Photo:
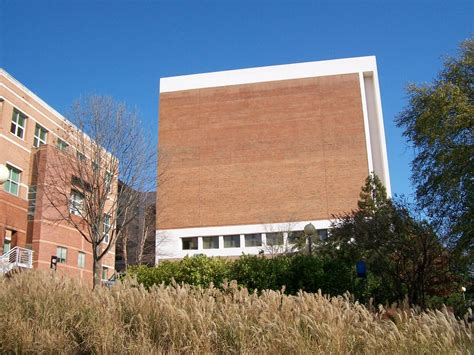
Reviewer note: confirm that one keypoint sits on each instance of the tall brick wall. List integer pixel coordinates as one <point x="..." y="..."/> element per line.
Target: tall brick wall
<point x="261" y="153"/>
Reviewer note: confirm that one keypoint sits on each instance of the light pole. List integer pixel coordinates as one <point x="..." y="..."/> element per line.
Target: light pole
<point x="309" y="231"/>
<point x="4" y="173"/>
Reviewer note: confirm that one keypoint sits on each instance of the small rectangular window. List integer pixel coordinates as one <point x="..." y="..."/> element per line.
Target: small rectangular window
<point x="106" y="227"/>
<point x="61" y="254"/>
<point x="190" y="243"/>
<point x="40" y="137"/>
<point x="76" y="203"/>
<point x="18" y="124"/>
<point x="7" y="241"/>
<point x="12" y="185"/>
<point x="295" y="236"/>
<point x="210" y="242"/>
<point x="105" y="273"/>
<point x="61" y="145"/>
<point x="81" y="259"/>
<point x="80" y="156"/>
<point x="274" y="239"/>
<point x="31" y="200"/>
<point x="232" y="241"/>
<point x="323" y="234"/>
<point x="108" y="181"/>
<point x="253" y="240"/>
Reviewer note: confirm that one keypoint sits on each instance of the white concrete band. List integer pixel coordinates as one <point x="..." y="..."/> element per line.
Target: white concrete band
<point x="270" y="73"/>
<point x="169" y="242"/>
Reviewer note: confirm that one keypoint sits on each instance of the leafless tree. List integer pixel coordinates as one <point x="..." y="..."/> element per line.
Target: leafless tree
<point x="105" y="145"/>
<point x="137" y="244"/>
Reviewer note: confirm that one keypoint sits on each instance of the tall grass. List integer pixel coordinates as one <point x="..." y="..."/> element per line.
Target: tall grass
<point x="41" y="313"/>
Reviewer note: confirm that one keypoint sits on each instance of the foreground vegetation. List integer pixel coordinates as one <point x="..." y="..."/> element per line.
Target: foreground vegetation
<point x="44" y="314"/>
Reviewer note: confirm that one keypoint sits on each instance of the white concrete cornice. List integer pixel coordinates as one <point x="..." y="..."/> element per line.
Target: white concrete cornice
<point x="270" y="73"/>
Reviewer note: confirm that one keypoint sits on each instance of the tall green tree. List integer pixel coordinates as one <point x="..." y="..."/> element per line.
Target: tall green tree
<point x="402" y="252"/>
<point x="438" y="122"/>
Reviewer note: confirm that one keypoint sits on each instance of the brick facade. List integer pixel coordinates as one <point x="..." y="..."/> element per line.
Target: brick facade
<point x="265" y="152"/>
<point x="249" y="152"/>
<point x="38" y="230"/>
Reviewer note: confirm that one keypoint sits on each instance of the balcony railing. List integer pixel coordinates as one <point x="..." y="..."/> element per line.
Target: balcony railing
<point x="17" y="257"/>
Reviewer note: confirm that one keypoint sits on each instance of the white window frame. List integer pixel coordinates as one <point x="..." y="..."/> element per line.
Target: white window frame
<point x="76" y="205"/>
<point x="61" y="144"/>
<point x="7" y="238"/>
<point x="37" y="140"/>
<point x="108" y="178"/>
<point x="233" y="236"/>
<point x="191" y="242"/>
<point x="80" y="156"/>
<point x="212" y="244"/>
<point x="107" y="226"/>
<point x="249" y="239"/>
<point x="81" y="260"/>
<point x="9" y="181"/>
<point x="102" y="273"/>
<point x="15" y="126"/>
<point x="59" y="254"/>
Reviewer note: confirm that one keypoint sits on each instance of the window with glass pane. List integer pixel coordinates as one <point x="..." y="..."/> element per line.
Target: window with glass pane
<point x="7" y="241"/>
<point x="105" y="273"/>
<point x="18" y="124"/>
<point x="61" y="145"/>
<point x="12" y="185"/>
<point x="80" y="156"/>
<point x="295" y="236"/>
<point x="81" y="259"/>
<point x="190" y="243"/>
<point x="40" y="136"/>
<point x="107" y="226"/>
<point x="274" y="239"/>
<point x="323" y="234"/>
<point x="61" y="254"/>
<point x="210" y="242"/>
<point x="253" y="240"/>
<point x="232" y="241"/>
<point x="76" y="202"/>
<point x="108" y="180"/>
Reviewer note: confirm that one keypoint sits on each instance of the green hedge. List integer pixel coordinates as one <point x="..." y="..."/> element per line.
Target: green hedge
<point x="294" y="273"/>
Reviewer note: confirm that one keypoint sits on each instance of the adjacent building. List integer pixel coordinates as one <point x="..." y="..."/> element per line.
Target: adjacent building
<point x="31" y="134"/>
<point x="255" y="154"/>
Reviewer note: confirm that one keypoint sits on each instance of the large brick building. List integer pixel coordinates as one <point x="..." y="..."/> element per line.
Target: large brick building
<point x="256" y="151"/>
<point x="32" y="134"/>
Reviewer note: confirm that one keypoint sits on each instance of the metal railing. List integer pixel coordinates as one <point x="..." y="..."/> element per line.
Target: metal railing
<point x="16" y="257"/>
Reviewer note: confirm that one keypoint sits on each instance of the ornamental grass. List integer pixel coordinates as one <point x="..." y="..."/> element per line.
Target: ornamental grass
<point x="44" y="313"/>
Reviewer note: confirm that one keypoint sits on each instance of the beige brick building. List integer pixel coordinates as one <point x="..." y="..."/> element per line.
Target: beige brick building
<point x="31" y="134"/>
<point x="256" y="151"/>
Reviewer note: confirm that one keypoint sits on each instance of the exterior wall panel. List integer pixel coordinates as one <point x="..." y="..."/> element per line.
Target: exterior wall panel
<point x="262" y="153"/>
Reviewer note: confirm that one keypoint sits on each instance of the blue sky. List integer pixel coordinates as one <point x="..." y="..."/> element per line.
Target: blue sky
<point x="64" y="49"/>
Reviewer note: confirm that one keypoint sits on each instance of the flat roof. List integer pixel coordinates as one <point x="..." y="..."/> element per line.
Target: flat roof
<point x="269" y="73"/>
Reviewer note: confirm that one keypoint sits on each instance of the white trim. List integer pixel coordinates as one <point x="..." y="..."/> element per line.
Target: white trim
<point x="29" y="104"/>
<point x="269" y="73"/>
<point x="169" y="246"/>
<point x="13" y="165"/>
<point x="41" y="102"/>
<point x="29" y="117"/>
<point x="366" y="123"/>
<point x="32" y="94"/>
<point x="16" y="143"/>
<point x="381" y="133"/>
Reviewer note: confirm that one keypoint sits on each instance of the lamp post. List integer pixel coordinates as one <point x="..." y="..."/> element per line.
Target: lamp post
<point x="309" y="231"/>
<point x="4" y="173"/>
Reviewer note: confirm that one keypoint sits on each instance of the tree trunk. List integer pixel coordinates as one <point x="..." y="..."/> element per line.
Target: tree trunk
<point x="125" y="249"/>
<point x="95" y="268"/>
